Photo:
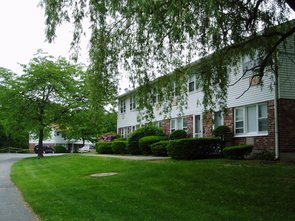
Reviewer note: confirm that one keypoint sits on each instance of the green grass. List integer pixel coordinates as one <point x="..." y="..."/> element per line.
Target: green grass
<point x="60" y="188"/>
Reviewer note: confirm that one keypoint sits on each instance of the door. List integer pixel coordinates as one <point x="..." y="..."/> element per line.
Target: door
<point x="198" y="126"/>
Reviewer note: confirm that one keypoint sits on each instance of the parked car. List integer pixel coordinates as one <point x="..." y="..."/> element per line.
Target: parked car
<point x="85" y="148"/>
<point x="46" y="149"/>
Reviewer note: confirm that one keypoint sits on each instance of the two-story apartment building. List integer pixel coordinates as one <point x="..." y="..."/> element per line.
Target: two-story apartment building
<point x="262" y="116"/>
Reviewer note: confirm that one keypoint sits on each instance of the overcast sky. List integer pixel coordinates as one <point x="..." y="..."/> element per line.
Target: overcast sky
<point x="22" y="26"/>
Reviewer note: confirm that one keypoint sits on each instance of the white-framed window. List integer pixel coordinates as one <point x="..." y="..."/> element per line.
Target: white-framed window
<point x="218" y="119"/>
<point x="132" y="103"/>
<point x="178" y="124"/>
<point x="122" y="106"/>
<point x="191" y="83"/>
<point x="249" y="65"/>
<point x="251" y="120"/>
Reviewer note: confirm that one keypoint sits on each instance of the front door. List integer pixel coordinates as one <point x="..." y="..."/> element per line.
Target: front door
<point x="198" y="126"/>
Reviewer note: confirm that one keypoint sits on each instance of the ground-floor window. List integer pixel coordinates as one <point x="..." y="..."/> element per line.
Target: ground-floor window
<point x="178" y="124"/>
<point x="251" y="119"/>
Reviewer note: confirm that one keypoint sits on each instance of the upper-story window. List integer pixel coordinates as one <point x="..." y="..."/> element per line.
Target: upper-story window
<point x="251" y="120"/>
<point x="122" y="106"/>
<point x="191" y="83"/>
<point x="132" y="103"/>
<point x="250" y="65"/>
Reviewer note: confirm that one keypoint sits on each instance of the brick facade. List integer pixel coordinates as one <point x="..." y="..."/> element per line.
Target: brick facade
<point x="166" y="126"/>
<point x="286" y="125"/>
<point x="190" y="125"/>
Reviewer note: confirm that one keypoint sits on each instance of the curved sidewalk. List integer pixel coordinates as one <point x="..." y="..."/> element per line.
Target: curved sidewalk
<point x="12" y="205"/>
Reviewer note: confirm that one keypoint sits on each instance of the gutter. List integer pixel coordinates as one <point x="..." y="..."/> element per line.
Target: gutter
<point x="277" y="150"/>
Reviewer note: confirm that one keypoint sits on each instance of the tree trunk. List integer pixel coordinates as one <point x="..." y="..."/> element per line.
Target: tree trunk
<point x="40" y="144"/>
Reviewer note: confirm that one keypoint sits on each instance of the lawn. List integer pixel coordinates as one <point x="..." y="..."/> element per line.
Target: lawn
<point x="60" y="188"/>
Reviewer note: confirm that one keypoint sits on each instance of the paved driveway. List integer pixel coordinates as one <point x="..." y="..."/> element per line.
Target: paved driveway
<point x="12" y="205"/>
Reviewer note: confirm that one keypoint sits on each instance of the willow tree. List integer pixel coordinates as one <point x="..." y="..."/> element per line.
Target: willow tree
<point x="151" y="38"/>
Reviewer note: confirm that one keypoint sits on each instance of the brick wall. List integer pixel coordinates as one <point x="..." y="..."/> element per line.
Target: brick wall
<point x="286" y="125"/>
<point x="190" y="125"/>
<point x="166" y="126"/>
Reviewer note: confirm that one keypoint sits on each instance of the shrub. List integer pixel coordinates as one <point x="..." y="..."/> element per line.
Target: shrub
<point x="104" y="147"/>
<point x="145" y="143"/>
<point x="119" y="146"/>
<point x="160" y="148"/>
<point x="178" y="134"/>
<point x="220" y="131"/>
<point x="264" y="155"/>
<point x="133" y="140"/>
<point x="237" y="152"/>
<point x="60" y="149"/>
<point x="192" y="148"/>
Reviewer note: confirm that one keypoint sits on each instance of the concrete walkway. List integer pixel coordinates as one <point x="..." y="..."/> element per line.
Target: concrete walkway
<point x="12" y="205"/>
<point x="127" y="157"/>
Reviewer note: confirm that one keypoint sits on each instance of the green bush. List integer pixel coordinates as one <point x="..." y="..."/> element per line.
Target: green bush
<point x="119" y="146"/>
<point x="178" y="134"/>
<point x="133" y="140"/>
<point x="60" y="149"/>
<point x="104" y="147"/>
<point x="264" y="155"/>
<point x="220" y="131"/>
<point x="160" y="148"/>
<point x="237" y="152"/>
<point x="145" y="143"/>
<point x="192" y="148"/>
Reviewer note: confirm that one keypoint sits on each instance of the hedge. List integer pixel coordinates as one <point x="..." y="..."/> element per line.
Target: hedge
<point x="60" y="149"/>
<point x="160" y="148"/>
<point x="104" y="147"/>
<point x="119" y="146"/>
<point x="178" y="134"/>
<point x="192" y="148"/>
<point x="237" y="152"/>
<point x="146" y="142"/>
<point x="133" y="140"/>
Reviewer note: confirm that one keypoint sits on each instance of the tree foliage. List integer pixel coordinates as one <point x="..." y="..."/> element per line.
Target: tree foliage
<point x="44" y="95"/>
<point x="151" y="38"/>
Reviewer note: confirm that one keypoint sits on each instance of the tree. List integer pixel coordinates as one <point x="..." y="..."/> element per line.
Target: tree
<point x="88" y="124"/>
<point x="13" y="133"/>
<point x="43" y="96"/>
<point x="151" y="38"/>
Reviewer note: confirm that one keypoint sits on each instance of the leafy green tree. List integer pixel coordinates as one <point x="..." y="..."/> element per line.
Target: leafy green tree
<point x="44" y="95"/>
<point x="151" y="38"/>
<point x="13" y="133"/>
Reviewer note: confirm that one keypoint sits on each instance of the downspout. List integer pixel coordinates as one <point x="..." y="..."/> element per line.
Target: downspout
<point x="277" y="151"/>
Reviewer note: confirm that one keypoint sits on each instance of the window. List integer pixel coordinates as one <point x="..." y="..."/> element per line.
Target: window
<point x="251" y="120"/>
<point x="218" y="119"/>
<point x="249" y="66"/>
<point x="178" y="124"/>
<point x="176" y="89"/>
<point x="132" y="103"/>
<point x="122" y="106"/>
<point x="172" y="125"/>
<point x="191" y="83"/>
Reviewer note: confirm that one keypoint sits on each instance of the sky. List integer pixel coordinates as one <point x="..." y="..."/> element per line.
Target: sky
<point x="22" y="25"/>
